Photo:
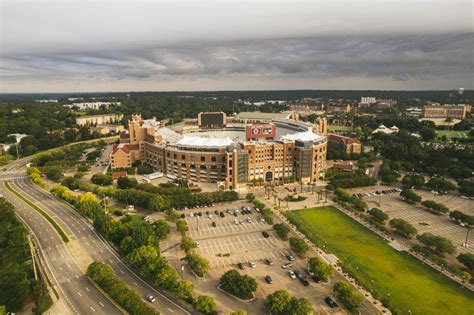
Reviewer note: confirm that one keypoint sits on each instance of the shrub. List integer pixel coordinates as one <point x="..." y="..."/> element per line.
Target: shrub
<point x="378" y="215"/>
<point x="439" y="244"/>
<point x="198" y="264"/>
<point x="410" y="196"/>
<point x="435" y="207"/>
<point x="205" y="304"/>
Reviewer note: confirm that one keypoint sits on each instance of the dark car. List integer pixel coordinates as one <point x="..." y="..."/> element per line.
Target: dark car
<point x="330" y="302"/>
<point x="235" y="214"/>
<point x="265" y="234"/>
<point x="298" y="274"/>
<point x="269" y="262"/>
<point x="221" y="214"/>
<point x="182" y="215"/>
<point x="207" y="212"/>
<point x="269" y="279"/>
<point x="241" y="266"/>
<point x="304" y="281"/>
<point x="216" y="212"/>
<point x="214" y="224"/>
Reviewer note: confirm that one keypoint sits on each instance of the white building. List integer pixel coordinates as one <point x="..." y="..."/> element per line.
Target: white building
<point x="382" y="128"/>
<point x="18" y="136"/>
<point x="46" y="101"/>
<point x="91" y="105"/>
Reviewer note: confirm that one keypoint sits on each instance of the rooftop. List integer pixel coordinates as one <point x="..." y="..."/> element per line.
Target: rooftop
<point x="205" y="142"/>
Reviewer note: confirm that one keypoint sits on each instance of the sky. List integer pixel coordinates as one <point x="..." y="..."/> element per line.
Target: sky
<point x="92" y="46"/>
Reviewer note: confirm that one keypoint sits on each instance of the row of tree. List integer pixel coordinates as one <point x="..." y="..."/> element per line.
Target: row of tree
<point x="117" y="289"/>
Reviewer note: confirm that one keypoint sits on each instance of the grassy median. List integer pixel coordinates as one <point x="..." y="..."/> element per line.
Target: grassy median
<point x="44" y="214"/>
<point x="404" y="281"/>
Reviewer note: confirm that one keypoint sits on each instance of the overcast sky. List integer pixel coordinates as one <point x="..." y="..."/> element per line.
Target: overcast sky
<point x="66" y="46"/>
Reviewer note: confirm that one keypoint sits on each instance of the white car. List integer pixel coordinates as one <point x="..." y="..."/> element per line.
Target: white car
<point x="150" y="298"/>
<point x="236" y="222"/>
<point x="249" y="220"/>
<point x="287" y="265"/>
<point x="252" y="264"/>
<point x="292" y="274"/>
<point x="191" y="215"/>
<point x="197" y="244"/>
<point x="210" y="216"/>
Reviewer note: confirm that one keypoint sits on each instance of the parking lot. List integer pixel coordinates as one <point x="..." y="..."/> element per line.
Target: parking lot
<point x="315" y="292"/>
<point x="421" y="219"/>
<point x="227" y="234"/>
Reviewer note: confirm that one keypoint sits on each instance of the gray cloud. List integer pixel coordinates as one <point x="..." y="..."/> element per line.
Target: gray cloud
<point x="294" y="48"/>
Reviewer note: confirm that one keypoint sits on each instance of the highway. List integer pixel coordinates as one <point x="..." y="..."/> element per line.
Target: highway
<point x="79" y="293"/>
<point x="91" y="242"/>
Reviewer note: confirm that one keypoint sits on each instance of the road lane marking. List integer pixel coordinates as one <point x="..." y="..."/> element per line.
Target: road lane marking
<point x="92" y="309"/>
<point x="87" y="289"/>
<point x="101" y="304"/>
<point x="79" y="293"/>
<point x="169" y="309"/>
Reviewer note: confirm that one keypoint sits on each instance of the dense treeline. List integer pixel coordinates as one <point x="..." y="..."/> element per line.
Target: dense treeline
<point x="15" y="267"/>
<point x="47" y="125"/>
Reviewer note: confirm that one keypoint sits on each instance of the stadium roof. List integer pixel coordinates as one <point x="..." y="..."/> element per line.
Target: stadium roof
<point x="302" y="136"/>
<point x="205" y="142"/>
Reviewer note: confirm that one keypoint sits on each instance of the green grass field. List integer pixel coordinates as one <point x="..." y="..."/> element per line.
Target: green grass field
<point x="451" y="133"/>
<point x="410" y="284"/>
<point x="338" y="128"/>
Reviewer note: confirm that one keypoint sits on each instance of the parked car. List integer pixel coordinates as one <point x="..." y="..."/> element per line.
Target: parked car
<point x="265" y="234"/>
<point x="298" y="274"/>
<point x="330" y="302"/>
<point x="269" y="279"/>
<point x="197" y="244"/>
<point x="287" y="265"/>
<point x="290" y="258"/>
<point x="252" y="264"/>
<point x="214" y="224"/>
<point x="221" y="214"/>
<point x="269" y="262"/>
<point x="292" y="274"/>
<point x="241" y="266"/>
<point x="308" y="271"/>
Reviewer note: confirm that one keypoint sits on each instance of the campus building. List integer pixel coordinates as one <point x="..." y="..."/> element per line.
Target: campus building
<point x="349" y="145"/>
<point x="446" y="111"/>
<point x="231" y="156"/>
<point x="95" y="120"/>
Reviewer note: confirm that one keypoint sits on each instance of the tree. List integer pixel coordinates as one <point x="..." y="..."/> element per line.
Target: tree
<point x="198" y="264"/>
<point x="378" y="215"/>
<point x="205" y="304"/>
<point x="239" y="313"/>
<point x="126" y="182"/>
<point x="435" y="207"/>
<point x="298" y="246"/>
<point x="282" y="230"/>
<point x="467" y="259"/>
<point x="101" y="179"/>
<point x="184" y="290"/>
<point x="182" y="226"/>
<point x="70" y="135"/>
<point x="298" y="306"/>
<point x="54" y="173"/>
<point x="439" y="244"/>
<point x="347" y="295"/>
<point x="460" y="217"/>
<point x="239" y="285"/>
<point x="277" y="302"/>
<point x="156" y="203"/>
<point x="403" y="228"/>
<point x="416" y="181"/>
<point x="250" y="197"/>
<point x="143" y="259"/>
<point x="439" y="184"/>
<point x="322" y="270"/>
<point x="162" y="229"/>
<point x="187" y="244"/>
<point x="88" y="204"/>
<point x="410" y="196"/>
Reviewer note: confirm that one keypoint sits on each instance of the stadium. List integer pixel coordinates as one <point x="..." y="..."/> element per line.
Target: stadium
<point x="231" y="152"/>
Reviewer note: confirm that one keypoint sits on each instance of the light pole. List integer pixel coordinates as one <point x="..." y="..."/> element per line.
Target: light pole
<point x="467" y="236"/>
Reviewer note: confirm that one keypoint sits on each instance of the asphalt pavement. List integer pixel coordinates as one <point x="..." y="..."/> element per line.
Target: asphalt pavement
<point x="80" y="294"/>
<point x="91" y="242"/>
